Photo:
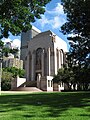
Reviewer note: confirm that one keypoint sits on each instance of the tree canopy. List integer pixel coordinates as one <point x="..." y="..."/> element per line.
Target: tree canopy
<point x="78" y="24"/>
<point x="16" y="15"/>
<point x="6" y="50"/>
<point x="15" y="71"/>
<point x="74" y="76"/>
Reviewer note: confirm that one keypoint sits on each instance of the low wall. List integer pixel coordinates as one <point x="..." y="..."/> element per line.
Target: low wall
<point x="46" y="83"/>
<point x="17" y="82"/>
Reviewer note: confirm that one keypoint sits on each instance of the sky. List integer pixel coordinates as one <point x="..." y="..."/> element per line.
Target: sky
<point x="52" y="19"/>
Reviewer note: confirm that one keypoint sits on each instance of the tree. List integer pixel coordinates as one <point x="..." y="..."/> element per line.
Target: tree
<point x="78" y="24"/>
<point x="15" y="71"/>
<point x="74" y="75"/>
<point x="7" y="77"/>
<point x="66" y="76"/>
<point x="16" y="15"/>
<point x="1" y="43"/>
<point x="14" y="51"/>
<point x="8" y="74"/>
<point x="7" y="50"/>
<point x="1" y="46"/>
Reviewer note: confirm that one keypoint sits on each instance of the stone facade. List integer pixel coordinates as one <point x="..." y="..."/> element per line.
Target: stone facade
<point x="25" y="38"/>
<point x="12" y="62"/>
<point x="43" y="56"/>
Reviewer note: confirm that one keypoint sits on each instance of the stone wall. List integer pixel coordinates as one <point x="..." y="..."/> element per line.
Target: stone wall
<point x="17" y="82"/>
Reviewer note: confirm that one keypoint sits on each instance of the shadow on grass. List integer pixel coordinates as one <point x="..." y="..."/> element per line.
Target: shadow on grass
<point x="45" y="104"/>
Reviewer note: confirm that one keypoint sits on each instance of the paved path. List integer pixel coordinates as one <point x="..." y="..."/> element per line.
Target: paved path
<point x="17" y="92"/>
<point x="23" y="90"/>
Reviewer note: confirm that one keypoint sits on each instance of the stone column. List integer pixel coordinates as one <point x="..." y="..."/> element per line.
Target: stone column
<point x="48" y="62"/>
<point x="55" y="60"/>
<point x="43" y="54"/>
<point x="59" y="59"/>
<point x="28" y="66"/>
<point x="33" y="66"/>
<point x="57" y="55"/>
<point x="64" y="58"/>
<point x="38" y="80"/>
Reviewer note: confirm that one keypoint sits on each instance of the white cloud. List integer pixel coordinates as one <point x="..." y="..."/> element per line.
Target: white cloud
<point x="54" y="18"/>
<point x="15" y="42"/>
<point x="72" y="35"/>
<point x="57" y="22"/>
<point x="58" y="10"/>
<point x="6" y="40"/>
<point x="43" y="20"/>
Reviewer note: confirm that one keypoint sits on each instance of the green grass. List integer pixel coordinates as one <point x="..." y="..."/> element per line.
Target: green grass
<point x="45" y="106"/>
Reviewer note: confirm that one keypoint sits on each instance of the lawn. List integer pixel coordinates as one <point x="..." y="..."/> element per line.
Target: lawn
<point x="45" y="106"/>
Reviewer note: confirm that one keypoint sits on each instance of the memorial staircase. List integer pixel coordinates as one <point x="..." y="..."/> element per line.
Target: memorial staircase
<point x="28" y="86"/>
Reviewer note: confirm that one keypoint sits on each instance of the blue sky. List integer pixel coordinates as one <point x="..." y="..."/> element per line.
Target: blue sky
<point x="52" y="19"/>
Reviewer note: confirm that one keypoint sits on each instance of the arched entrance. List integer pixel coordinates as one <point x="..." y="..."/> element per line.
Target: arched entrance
<point x="38" y="71"/>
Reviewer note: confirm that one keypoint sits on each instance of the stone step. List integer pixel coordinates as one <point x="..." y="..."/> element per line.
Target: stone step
<point x="32" y="89"/>
<point x="29" y="84"/>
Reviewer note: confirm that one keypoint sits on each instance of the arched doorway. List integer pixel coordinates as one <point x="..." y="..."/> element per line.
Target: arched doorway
<point x="39" y="62"/>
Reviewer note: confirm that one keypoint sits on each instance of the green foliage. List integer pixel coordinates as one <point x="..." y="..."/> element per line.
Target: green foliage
<point x="1" y="43"/>
<point x="6" y="85"/>
<point x="14" y="51"/>
<point x="8" y="75"/>
<point x="15" y="71"/>
<point x="21" y="73"/>
<point x="16" y="15"/>
<point x="6" y="50"/>
<point x="65" y="75"/>
<point x="78" y="24"/>
<point x="77" y="12"/>
<point x="82" y="76"/>
<point x="6" y="80"/>
<point x="74" y="75"/>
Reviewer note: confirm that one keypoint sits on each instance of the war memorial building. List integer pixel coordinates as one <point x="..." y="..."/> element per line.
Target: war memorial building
<point x="43" y="53"/>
